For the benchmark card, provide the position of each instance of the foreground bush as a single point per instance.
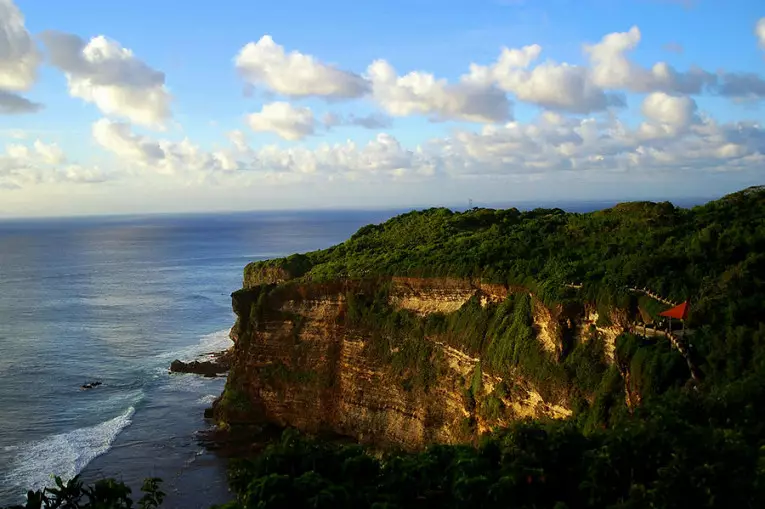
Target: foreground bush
(104, 494)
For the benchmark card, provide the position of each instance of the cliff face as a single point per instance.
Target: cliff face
(300, 360)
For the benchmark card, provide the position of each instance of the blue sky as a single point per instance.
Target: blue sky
(224, 134)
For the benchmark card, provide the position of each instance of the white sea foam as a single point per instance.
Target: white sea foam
(208, 399)
(65, 454)
(215, 342)
(209, 343)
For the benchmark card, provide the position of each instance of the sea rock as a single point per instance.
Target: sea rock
(206, 368)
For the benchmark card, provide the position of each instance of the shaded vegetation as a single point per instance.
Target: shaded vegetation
(687, 450)
(103, 494)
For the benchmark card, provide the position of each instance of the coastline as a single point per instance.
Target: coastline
(192, 468)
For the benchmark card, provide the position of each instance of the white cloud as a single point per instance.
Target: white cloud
(666, 116)
(238, 139)
(108, 75)
(295, 74)
(287, 121)
(163, 156)
(49, 153)
(118, 138)
(673, 138)
(667, 109)
(549, 85)
(19, 57)
(42, 163)
(612, 69)
(421, 93)
(589, 145)
(19, 60)
(759, 31)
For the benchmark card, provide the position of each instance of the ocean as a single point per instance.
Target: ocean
(116, 299)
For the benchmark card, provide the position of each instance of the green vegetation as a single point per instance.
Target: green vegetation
(642, 435)
(712, 254)
(104, 494)
(689, 450)
(236, 399)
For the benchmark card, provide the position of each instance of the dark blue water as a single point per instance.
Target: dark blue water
(116, 300)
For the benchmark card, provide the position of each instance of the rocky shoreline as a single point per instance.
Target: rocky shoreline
(220, 364)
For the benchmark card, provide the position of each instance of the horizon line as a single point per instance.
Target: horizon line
(687, 201)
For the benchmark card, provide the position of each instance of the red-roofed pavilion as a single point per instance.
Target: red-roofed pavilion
(679, 312)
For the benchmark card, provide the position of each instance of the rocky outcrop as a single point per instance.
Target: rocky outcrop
(300, 361)
(440, 295)
(611, 326)
(210, 368)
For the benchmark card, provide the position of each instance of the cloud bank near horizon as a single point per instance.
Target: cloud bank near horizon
(579, 128)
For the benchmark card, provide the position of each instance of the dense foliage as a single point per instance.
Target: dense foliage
(103, 494)
(712, 254)
(641, 435)
(688, 450)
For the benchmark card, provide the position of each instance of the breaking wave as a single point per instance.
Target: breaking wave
(64, 454)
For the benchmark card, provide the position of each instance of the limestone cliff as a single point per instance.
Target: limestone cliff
(301, 360)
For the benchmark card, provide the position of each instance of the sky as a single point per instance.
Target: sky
(177, 106)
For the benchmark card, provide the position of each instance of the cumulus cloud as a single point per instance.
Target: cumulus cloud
(590, 145)
(480, 95)
(19, 60)
(117, 137)
(40, 163)
(612, 68)
(666, 115)
(550, 85)
(295, 74)
(673, 137)
(39, 152)
(287, 121)
(162, 156)
(102, 72)
(421, 93)
(667, 109)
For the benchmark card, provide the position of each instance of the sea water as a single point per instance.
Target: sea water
(116, 300)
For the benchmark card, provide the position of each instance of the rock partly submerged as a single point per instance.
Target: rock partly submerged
(219, 365)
